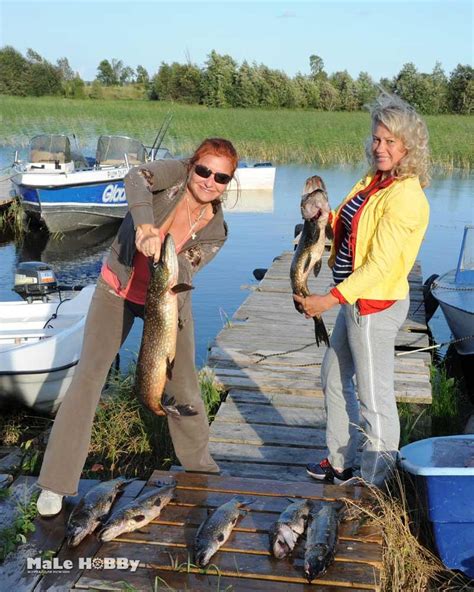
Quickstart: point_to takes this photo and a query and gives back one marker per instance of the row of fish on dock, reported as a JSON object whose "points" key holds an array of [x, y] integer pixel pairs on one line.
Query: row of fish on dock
{"points": [[321, 527]]}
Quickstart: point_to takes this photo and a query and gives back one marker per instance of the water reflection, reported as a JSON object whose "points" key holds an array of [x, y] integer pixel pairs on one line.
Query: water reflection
{"points": [[250, 200]]}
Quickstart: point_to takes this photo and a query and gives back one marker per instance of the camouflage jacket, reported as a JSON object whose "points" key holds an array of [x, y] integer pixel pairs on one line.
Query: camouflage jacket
{"points": [[153, 190]]}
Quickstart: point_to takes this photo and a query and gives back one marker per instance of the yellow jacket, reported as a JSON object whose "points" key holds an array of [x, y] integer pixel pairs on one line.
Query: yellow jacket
{"points": [[387, 239]]}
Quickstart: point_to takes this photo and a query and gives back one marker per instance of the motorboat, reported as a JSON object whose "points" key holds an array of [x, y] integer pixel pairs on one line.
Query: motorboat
{"points": [[454, 291], [65, 191], [40, 341], [259, 176]]}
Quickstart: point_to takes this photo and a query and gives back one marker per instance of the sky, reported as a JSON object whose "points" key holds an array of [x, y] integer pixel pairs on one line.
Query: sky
{"points": [[376, 36]]}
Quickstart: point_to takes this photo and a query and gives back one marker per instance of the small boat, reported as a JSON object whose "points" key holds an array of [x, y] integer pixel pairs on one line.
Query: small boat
{"points": [[260, 176], [66, 191], [40, 345], [454, 291]]}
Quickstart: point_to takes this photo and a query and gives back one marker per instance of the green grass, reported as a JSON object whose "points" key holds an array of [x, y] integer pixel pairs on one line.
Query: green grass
{"points": [[262, 134], [21, 526]]}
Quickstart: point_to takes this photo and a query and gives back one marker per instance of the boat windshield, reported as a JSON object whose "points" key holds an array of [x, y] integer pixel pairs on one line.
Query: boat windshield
{"points": [[50, 148], [465, 269], [111, 151]]}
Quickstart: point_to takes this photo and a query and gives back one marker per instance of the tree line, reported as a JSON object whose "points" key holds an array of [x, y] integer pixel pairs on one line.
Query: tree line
{"points": [[222, 82]]}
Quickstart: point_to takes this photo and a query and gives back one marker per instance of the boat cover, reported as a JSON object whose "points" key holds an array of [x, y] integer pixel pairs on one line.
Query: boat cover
{"points": [[111, 151], [50, 148]]}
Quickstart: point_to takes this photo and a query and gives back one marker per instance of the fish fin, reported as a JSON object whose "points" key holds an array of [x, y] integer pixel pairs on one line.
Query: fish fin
{"points": [[170, 407], [157, 502], [307, 263], [329, 231], [320, 332], [220, 537], [139, 518], [317, 268], [297, 238], [245, 501], [169, 368], [181, 288]]}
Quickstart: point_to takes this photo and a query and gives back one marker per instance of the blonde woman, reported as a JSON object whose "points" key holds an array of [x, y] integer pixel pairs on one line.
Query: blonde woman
{"points": [[378, 230]]}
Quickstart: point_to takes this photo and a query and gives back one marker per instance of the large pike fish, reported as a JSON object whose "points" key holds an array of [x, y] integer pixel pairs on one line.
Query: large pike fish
{"points": [[309, 252], [216, 529], [289, 527], [160, 330], [321, 538], [92, 508], [138, 513]]}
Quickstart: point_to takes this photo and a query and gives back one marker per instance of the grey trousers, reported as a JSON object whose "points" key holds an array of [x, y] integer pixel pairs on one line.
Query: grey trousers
{"points": [[108, 323], [363, 346]]}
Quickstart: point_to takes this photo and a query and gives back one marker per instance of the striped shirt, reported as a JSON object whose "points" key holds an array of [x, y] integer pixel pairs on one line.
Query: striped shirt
{"points": [[343, 264]]}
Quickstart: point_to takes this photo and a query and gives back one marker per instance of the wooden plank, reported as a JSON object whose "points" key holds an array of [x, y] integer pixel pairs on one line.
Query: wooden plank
{"points": [[260, 487], [259, 435], [275, 455], [245, 565], [271, 415], [305, 401], [156, 580]]}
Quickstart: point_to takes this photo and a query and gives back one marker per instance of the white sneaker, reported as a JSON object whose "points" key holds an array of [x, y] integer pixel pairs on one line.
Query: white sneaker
{"points": [[49, 503]]}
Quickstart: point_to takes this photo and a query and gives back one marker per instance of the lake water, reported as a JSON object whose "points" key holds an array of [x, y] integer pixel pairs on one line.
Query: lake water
{"points": [[261, 226]]}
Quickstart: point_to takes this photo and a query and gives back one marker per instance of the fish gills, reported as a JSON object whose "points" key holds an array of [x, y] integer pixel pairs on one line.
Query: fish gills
{"points": [[289, 527]]}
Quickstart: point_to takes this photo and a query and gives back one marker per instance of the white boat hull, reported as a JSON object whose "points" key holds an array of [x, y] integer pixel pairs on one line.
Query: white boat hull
{"points": [[38, 353], [253, 178]]}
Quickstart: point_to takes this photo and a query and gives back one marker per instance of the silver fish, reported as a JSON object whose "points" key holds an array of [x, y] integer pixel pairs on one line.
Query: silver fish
{"points": [[92, 508], [216, 529], [139, 512], [321, 538], [289, 527], [309, 252]]}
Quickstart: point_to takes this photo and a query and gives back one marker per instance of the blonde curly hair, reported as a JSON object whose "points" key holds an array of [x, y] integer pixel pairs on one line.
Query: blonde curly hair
{"points": [[404, 123]]}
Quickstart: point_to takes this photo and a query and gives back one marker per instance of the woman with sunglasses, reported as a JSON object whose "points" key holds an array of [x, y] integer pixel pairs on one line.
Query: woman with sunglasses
{"points": [[182, 198]]}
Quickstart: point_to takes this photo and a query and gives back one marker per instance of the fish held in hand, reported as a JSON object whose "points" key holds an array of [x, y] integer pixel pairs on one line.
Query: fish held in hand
{"points": [[309, 252], [160, 330], [92, 509], [216, 529], [289, 527], [321, 538], [138, 513]]}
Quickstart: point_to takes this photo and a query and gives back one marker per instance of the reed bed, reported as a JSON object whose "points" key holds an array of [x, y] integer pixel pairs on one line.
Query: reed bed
{"points": [[282, 136]]}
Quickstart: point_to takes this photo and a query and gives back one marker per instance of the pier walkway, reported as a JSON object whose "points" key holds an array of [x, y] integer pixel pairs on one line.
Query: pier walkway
{"points": [[272, 421]]}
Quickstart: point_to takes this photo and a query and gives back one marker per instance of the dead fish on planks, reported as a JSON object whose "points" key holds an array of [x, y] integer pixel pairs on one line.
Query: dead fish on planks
{"points": [[160, 330], [139, 512], [216, 529], [92, 508], [309, 252], [289, 527], [321, 538]]}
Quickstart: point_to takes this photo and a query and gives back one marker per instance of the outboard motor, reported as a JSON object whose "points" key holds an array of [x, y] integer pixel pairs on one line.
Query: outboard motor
{"points": [[35, 280]]}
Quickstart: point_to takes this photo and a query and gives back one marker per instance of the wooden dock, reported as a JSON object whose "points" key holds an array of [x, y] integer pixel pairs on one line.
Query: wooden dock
{"points": [[272, 421], [164, 547]]}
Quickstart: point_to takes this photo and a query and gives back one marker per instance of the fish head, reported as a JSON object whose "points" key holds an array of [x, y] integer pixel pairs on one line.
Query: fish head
{"points": [[204, 550], [283, 541], [75, 534], [315, 207], [316, 561]]}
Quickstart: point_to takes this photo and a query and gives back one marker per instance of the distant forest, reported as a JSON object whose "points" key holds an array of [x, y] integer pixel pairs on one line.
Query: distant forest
{"points": [[222, 82]]}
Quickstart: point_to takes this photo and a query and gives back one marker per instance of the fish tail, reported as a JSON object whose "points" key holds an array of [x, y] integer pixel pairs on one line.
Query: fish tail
{"points": [[320, 332], [169, 406]]}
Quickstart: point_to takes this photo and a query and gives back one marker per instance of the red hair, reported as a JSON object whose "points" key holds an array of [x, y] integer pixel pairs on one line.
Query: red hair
{"points": [[218, 147]]}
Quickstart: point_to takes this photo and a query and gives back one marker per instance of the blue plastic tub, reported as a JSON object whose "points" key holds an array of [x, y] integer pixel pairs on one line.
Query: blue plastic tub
{"points": [[445, 466]]}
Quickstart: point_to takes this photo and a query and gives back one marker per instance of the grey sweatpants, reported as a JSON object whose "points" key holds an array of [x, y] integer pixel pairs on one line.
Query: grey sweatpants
{"points": [[363, 346], [108, 323]]}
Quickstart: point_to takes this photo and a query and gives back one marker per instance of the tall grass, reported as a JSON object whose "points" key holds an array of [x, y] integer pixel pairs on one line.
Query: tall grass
{"points": [[261, 134]]}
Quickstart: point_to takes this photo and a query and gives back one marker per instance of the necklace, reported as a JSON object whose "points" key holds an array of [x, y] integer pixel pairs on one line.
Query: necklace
{"points": [[192, 225]]}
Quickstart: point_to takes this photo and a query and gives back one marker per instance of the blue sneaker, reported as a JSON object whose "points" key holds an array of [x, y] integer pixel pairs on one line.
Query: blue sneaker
{"points": [[325, 472]]}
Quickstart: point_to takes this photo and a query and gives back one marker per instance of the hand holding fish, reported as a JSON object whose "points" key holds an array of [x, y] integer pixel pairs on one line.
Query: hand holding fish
{"points": [[148, 241], [315, 304]]}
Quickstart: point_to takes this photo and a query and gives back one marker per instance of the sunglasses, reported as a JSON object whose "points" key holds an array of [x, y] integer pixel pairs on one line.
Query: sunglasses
{"points": [[205, 173]]}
